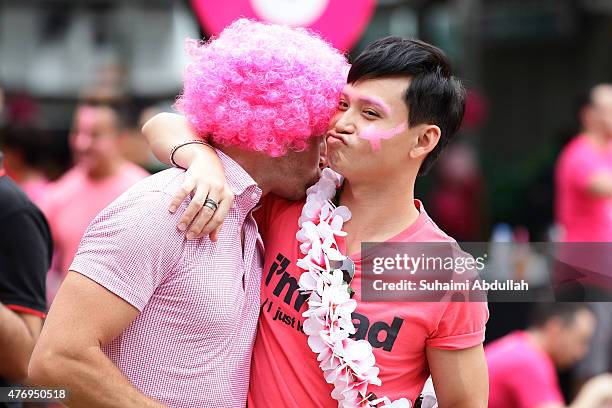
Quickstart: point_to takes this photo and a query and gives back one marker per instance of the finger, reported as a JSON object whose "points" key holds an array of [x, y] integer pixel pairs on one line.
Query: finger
{"points": [[215, 222], [215, 193], [195, 229], [214, 236], [194, 207], [181, 194]]}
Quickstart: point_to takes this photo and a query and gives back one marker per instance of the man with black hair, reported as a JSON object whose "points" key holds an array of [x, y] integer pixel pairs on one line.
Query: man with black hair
{"points": [[523, 364], [25, 256], [400, 108]]}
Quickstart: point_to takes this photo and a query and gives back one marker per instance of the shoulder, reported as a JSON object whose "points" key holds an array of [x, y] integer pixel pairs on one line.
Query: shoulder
{"points": [[63, 189], [513, 345], [11, 197], [425, 229], [133, 171], [577, 148]]}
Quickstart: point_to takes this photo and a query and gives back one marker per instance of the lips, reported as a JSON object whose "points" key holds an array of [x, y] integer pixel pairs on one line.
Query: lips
{"points": [[335, 137]]}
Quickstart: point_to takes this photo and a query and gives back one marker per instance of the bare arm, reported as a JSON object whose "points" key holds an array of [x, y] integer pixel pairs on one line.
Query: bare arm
{"points": [[205, 177], [18, 334], [595, 393], [83, 318], [460, 377]]}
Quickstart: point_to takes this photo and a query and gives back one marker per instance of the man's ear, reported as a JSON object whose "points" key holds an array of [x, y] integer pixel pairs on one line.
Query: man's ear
{"points": [[323, 154], [428, 138]]}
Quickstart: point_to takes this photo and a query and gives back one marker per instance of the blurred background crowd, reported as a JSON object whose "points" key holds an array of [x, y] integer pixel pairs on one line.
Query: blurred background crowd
{"points": [[79, 78]]}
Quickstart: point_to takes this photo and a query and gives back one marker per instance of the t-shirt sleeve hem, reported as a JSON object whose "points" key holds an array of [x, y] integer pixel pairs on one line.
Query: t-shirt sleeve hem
{"points": [[458, 342], [109, 282], [25, 309]]}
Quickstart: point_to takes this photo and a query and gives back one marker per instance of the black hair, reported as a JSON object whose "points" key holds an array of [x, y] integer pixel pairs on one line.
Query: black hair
{"points": [[565, 311], [25, 139], [434, 95]]}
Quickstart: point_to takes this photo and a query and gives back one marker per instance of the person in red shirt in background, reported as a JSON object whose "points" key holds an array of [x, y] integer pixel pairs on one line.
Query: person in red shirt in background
{"points": [[100, 175], [523, 365]]}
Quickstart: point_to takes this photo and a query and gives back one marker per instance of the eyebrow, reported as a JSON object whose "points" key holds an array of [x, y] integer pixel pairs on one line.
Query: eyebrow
{"points": [[373, 100]]}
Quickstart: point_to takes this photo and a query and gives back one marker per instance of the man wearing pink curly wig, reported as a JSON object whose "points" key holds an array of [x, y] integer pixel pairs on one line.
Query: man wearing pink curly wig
{"points": [[147, 318]]}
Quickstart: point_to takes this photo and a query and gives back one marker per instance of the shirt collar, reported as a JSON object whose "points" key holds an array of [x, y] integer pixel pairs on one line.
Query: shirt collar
{"points": [[241, 183]]}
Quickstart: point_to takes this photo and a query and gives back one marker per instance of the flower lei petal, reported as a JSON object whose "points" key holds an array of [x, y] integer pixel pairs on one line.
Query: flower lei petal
{"points": [[348, 364]]}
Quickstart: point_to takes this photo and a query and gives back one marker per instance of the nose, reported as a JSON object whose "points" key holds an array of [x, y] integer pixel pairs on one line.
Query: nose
{"points": [[81, 141], [344, 124]]}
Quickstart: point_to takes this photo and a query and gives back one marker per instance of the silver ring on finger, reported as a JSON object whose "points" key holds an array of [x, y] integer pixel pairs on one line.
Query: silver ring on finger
{"points": [[212, 204]]}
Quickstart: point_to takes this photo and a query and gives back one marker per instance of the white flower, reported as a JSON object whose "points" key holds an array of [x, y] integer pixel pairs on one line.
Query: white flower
{"points": [[347, 364], [400, 403]]}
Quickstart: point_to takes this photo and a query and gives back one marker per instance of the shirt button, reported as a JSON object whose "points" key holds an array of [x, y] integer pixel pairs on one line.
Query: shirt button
{"points": [[254, 196]]}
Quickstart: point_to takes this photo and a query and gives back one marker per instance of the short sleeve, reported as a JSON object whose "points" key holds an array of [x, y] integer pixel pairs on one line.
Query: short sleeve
{"points": [[461, 326], [131, 246], [25, 254]]}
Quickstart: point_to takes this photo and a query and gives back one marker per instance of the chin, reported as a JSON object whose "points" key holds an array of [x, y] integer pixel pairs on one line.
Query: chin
{"points": [[297, 196], [337, 167], [292, 195]]}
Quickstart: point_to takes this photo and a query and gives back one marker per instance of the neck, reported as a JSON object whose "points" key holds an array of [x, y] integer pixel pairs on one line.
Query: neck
{"points": [[27, 175], [537, 338], [599, 139], [106, 169], [253, 163], [379, 209]]}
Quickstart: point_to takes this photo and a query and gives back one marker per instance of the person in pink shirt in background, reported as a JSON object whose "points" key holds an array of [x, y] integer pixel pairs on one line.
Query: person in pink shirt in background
{"points": [[147, 318], [99, 176], [584, 174], [523, 365], [584, 211]]}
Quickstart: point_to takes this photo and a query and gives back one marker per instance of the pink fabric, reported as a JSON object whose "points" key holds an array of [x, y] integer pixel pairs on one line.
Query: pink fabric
{"points": [[75, 199], [584, 217], [191, 344], [36, 189], [520, 374], [342, 22], [286, 373]]}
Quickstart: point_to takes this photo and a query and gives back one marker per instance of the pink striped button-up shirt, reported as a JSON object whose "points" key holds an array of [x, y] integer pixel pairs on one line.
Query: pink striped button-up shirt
{"points": [[199, 301]]}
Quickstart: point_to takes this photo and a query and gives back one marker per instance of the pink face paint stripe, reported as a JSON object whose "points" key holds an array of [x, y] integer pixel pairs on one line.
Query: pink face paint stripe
{"points": [[375, 135]]}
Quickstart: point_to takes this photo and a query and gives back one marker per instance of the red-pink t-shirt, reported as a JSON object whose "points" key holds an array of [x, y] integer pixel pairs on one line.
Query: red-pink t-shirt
{"points": [[583, 216], [284, 370], [75, 199], [520, 374]]}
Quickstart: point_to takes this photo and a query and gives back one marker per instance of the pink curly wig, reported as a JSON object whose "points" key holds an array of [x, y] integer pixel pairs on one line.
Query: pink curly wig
{"points": [[262, 87]]}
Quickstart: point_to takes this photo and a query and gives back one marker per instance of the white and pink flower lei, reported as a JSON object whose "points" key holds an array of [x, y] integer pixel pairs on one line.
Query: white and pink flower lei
{"points": [[346, 363]]}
